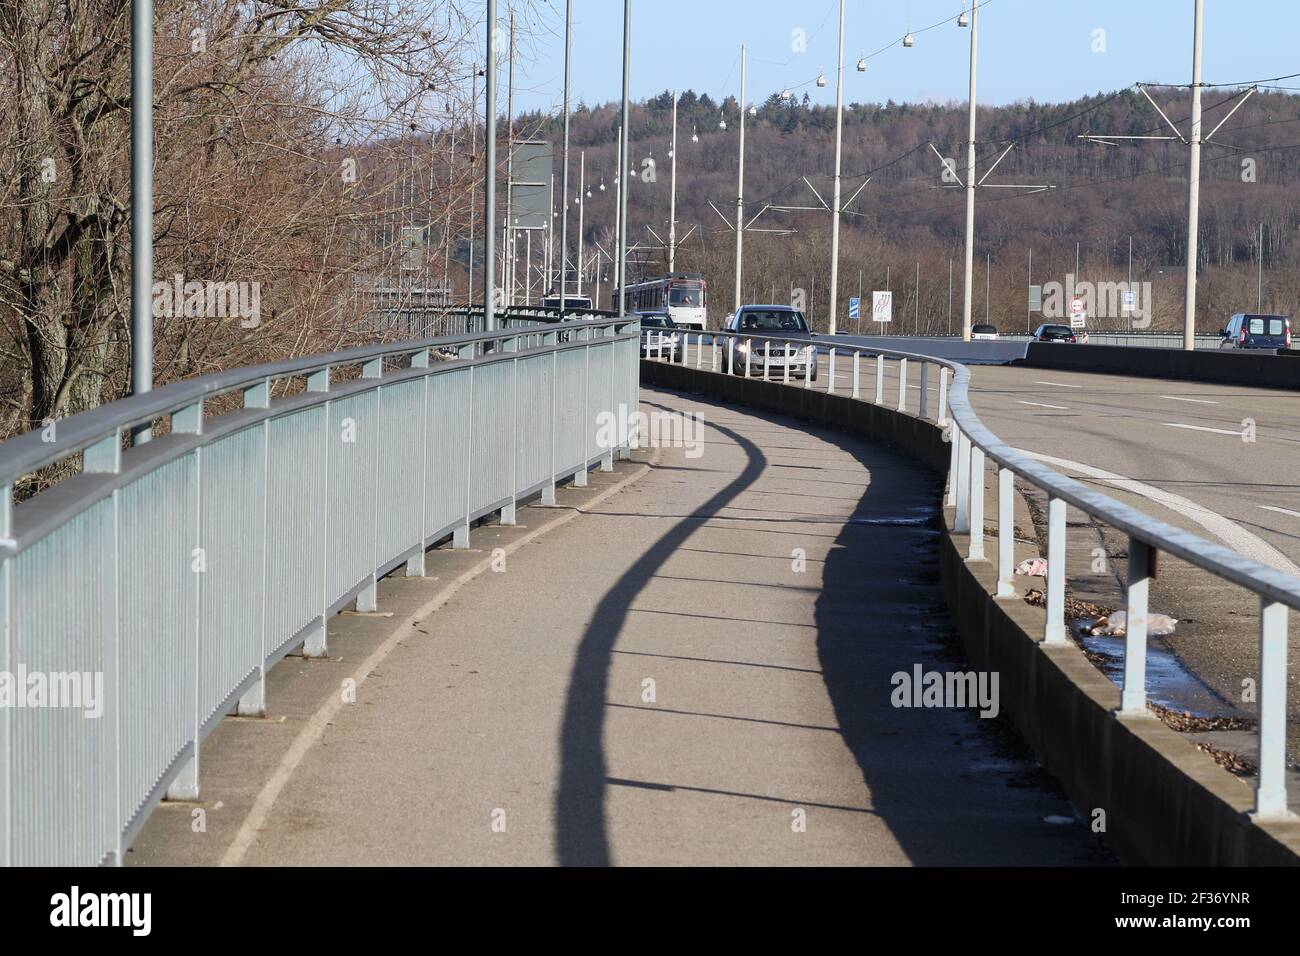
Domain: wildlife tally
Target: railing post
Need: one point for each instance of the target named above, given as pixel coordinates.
(699, 349)
(857, 356)
(580, 477)
(925, 368)
(954, 442)
(880, 380)
(830, 374)
(1054, 632)
(714, 353)
(767, 358)
(313, 644)
(1133, 698)
(253, 702)
(810, 367)
(548, 489)
(962, 525)
(1006, 533)
(1270, 796)
(976, 549)
(943, 395)
(460, 534)
(749, 352)
(902, 385)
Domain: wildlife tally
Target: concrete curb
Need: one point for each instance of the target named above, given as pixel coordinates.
(1261, 369)
(1165, 802)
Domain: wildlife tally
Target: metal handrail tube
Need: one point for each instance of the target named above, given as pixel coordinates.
(175, 574)
(975, 447)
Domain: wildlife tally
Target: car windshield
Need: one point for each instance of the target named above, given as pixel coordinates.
(657, 322)
(772, 320)
(686, 296)
(1265, 325)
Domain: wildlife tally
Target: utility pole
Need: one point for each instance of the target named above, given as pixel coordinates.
(508, 233)
(1259, 294)
(141, 205)
(740, 190)
(672, 203)
(835, 213)
(970, 177)
(490, 174)
(623, 148)
(1193, 185)
(564, 153)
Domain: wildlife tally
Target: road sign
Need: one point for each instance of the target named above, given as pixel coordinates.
(1078, 320)
(1129, 301)
(1035, 298)
(530, 191)
(1078, 306)
(855, 308)
(882, 306)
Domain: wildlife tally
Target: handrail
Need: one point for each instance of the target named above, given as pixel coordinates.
(973, 444)
(174, 574)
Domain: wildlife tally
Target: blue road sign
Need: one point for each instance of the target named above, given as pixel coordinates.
(855, 308)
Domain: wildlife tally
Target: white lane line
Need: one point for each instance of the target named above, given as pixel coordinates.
(1061, 408)
(1281, 511)
(1235, 433)
(1059, 384)
(1226, 530)
(1198, 401)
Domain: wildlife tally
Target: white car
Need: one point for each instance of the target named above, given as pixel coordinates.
(983, 333)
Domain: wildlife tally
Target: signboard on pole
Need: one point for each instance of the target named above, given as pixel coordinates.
(1129, 300)
(530, 190)
(1078, 312)
(882, 306)
(1035, 298)
(855, 308)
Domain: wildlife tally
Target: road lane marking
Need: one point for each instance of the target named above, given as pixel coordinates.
(1061, 408)
(1235, 433)
(1226, 530)
(1281, 511)
(1198, 401)
(1059, 384)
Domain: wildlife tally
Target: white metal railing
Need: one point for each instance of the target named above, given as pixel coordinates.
(975, 449)
(180, 570)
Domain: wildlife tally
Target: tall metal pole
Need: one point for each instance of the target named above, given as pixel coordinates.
(490, 175)
(564, 152)
(740, 189)
(508, 235)
(141, 204)
(1259, 289)
(672, 202)
(1193, 186)
(582, 209)
(473, 187)
(623, 147)
(970, 178)
(835, 213)
(620, 179)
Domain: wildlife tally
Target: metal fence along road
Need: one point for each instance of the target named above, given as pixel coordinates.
(159, 582)
(974, 450)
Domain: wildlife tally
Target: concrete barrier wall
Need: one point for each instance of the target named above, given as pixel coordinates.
(1165, 802)
(1227, 367)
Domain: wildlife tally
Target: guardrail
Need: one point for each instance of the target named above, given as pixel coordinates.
(974, 449)
(173, 574)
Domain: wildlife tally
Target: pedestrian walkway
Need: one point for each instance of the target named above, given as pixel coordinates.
(695, 670)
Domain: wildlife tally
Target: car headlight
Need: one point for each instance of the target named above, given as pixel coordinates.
(742, 346)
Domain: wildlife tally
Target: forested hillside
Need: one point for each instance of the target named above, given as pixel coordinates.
(1102, 195)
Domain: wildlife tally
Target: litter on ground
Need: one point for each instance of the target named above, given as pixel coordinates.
(1032, 567)
(1116, 625)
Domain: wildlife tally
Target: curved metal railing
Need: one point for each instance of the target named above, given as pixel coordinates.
(974, 449)
(155, 587)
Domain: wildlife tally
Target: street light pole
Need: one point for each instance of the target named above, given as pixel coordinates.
(508, 232)
(582, 209)
(490, 174)
(835, 214)
(623, 149)
(970, 178)
(564, 154)
(1193, 186)
(141, 205)
(740, 189)
(672, 203)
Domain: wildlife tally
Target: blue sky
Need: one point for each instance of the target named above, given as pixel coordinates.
(1028, 48)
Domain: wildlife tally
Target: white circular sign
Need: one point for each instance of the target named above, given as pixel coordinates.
(1077, 305)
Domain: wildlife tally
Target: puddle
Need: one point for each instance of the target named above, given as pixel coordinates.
(1169, 682)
